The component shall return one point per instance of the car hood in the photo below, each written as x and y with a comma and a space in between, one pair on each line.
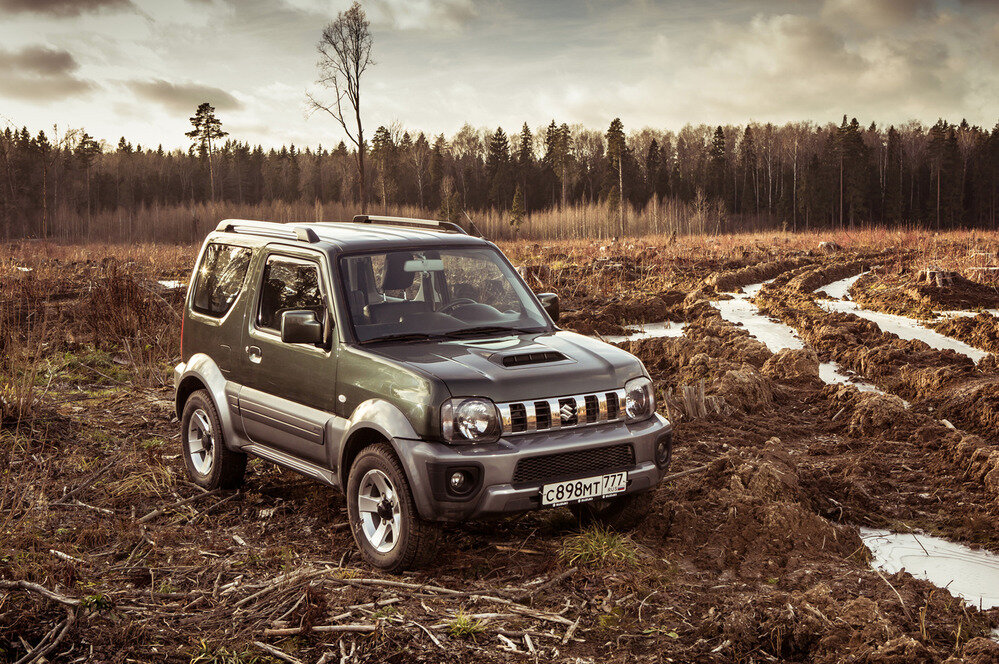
520, 367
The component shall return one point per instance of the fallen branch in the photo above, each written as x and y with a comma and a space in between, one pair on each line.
180, 503
684, 473
56, 635
86, 483
527, 594
293, 631
280, 654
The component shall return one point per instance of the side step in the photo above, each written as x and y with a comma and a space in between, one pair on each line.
324, 475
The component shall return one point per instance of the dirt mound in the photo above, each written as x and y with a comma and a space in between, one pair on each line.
810, 280
902, 292
880, 415
980, 651
730, 280
792, 365
975, 399
981, 331
744, 389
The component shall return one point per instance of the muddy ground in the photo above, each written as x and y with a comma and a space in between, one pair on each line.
754, 557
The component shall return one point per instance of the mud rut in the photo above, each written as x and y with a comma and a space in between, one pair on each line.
754, 558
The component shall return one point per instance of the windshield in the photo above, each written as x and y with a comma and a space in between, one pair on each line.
436, 292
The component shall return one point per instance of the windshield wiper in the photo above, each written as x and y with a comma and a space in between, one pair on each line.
486, 329
405, 336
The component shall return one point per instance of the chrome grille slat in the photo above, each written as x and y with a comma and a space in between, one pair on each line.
590, 409
556, 418
532, 418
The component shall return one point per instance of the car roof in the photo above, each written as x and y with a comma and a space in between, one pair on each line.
342, 237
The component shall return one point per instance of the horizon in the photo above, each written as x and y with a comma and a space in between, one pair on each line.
137, 69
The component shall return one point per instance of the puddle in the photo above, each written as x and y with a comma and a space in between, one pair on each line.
171, 283
647, 331
838, 290
778, 336
831, 373
969, 574
905, 328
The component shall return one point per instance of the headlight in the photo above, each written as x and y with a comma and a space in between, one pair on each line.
473, 420
639, 399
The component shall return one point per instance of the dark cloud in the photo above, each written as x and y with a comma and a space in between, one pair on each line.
184, 97
38, 73
62, 7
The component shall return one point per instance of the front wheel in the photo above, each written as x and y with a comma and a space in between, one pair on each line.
621, 513
383, 517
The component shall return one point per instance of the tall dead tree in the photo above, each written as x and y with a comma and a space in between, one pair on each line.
344, 55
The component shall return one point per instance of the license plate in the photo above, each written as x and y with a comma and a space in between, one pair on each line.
579, 491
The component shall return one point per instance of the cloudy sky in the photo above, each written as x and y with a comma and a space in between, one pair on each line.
139, 67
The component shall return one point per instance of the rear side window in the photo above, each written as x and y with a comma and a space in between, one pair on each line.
220, 279
288, 284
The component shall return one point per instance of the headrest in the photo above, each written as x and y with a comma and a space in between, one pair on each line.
396, 278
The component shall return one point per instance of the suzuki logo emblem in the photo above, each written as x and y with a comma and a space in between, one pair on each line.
567, 411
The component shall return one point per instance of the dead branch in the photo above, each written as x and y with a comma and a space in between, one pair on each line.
280, 654
180, 503
293, 631
527, 594
56, 635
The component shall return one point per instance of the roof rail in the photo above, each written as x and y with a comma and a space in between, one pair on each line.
447, 226
268, 228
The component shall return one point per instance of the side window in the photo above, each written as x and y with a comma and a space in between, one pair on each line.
220, 279
288, 283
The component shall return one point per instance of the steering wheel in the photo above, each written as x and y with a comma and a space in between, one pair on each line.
455, 303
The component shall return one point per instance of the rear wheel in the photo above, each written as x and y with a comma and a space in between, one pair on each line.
383, 517
209, 463
621, 513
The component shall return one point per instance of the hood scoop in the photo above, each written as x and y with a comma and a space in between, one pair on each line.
537, 357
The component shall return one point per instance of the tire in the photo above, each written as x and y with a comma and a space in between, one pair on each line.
386, 526
623, 513
209, 463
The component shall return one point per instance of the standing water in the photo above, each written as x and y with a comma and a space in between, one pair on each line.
902, 326
969, 574
777, 336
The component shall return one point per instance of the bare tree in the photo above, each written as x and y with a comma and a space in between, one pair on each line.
344, 55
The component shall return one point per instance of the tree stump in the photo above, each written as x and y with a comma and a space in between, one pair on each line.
933, 276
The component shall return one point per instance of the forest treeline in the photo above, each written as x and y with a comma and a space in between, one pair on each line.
798, 176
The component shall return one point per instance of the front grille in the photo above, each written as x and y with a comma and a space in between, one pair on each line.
567, 465
562, 412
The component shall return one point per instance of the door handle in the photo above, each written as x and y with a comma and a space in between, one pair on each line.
254, 353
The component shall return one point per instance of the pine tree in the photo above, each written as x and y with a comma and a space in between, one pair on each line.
207, 130
616, 147
498, 168
517, 211
717, 165
383, 153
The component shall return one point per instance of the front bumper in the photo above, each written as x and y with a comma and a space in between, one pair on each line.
427, 464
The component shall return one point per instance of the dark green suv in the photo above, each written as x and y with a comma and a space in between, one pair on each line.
408, 364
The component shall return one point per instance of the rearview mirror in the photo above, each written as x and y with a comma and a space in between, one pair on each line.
550, 302
301, 326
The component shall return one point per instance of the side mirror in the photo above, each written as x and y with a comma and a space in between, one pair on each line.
300, 326
550, 302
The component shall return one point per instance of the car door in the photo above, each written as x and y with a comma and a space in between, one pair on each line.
288, 389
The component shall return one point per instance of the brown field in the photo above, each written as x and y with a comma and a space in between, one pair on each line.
755, 557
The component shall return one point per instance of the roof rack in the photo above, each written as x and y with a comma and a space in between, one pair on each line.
447, 226
268, 228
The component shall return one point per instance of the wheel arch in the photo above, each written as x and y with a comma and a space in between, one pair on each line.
201, 372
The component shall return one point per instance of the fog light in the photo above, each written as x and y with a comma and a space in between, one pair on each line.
459, 481
664, 450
